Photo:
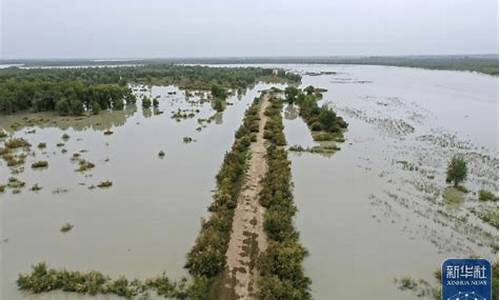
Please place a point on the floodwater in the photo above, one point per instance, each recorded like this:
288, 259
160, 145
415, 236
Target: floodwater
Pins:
368, 214
364, 215
144, 224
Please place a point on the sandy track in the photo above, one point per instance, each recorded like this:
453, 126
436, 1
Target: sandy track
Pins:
248, 238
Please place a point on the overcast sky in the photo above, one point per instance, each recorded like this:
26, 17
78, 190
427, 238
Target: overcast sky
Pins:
214, 28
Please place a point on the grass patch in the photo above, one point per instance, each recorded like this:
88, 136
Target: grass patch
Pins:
490, 216
485, 195
452, 195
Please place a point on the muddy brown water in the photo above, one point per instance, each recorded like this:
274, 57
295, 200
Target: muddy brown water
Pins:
365, 214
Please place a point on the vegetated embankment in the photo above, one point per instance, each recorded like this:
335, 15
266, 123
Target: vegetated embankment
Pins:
281, 271
323, 122
217, 254
247, 238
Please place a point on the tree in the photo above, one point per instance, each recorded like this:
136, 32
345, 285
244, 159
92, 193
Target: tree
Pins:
291, 93
218, 92
457, 170
146, 102
328, 119
218, 105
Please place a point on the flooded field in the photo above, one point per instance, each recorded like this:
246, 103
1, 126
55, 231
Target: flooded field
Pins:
141, 226
368, 214
374, 211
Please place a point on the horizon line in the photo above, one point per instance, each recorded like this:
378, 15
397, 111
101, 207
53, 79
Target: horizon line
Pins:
108, 59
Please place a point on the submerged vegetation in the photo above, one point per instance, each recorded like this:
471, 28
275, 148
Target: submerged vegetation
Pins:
67, 227
322, 149
15, 151
80, 90
42, 280
105, 184
15, 143
83, 165
281, 270
323, 122
40, 164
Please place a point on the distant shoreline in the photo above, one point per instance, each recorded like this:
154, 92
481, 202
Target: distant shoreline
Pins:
486, 64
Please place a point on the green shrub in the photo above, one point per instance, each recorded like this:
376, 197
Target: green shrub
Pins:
485, 195
146, 102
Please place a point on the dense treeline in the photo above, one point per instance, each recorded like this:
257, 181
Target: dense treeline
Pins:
65, 97
280, 266
487, 63
76, 90
207, 257
322, 121
219, 95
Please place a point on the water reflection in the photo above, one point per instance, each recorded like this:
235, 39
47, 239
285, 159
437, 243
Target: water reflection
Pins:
291, 112
45, 120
